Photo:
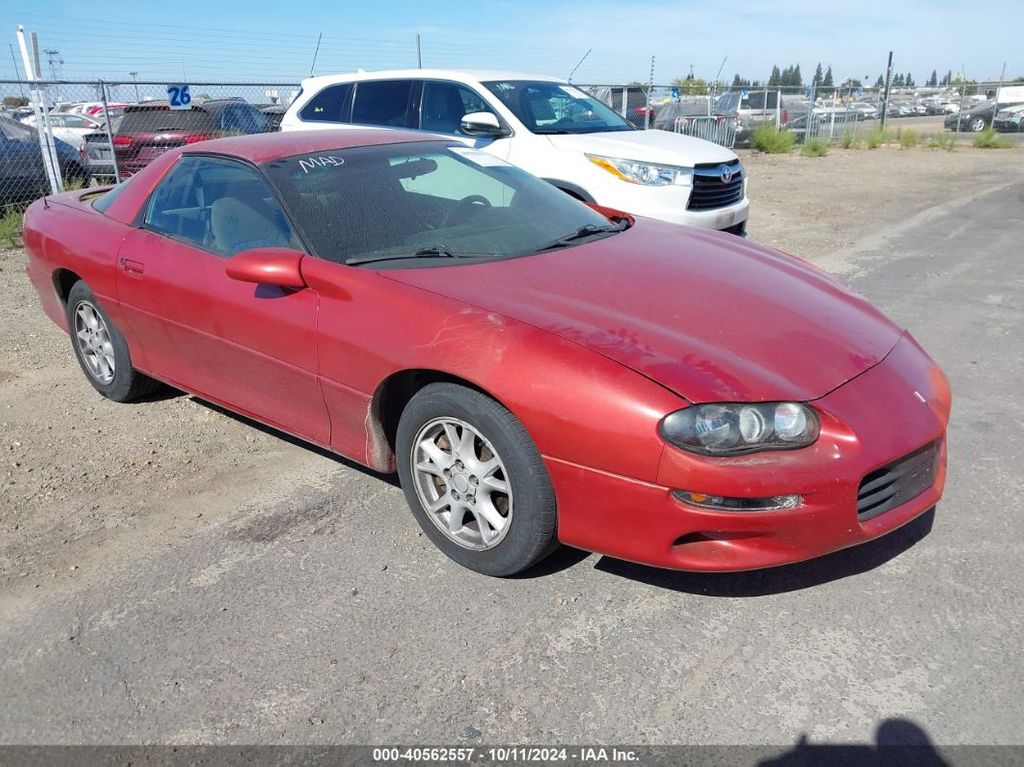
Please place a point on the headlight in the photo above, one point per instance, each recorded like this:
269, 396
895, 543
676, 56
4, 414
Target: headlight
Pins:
644, 173
733, 429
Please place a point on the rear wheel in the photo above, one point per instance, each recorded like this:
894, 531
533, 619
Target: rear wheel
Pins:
977, 125
475, 481
101, 349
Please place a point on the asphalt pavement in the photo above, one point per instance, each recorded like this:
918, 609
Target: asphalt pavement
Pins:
318, 613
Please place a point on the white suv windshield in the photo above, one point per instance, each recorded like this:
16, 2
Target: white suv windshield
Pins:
547, 108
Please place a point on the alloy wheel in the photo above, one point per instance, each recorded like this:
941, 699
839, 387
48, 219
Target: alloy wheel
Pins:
462, 483
93, 339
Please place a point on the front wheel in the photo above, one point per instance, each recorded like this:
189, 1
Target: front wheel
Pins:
977, 125
475, 481
101, 349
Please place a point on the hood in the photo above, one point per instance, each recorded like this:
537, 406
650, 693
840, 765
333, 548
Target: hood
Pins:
655, 146
705, 314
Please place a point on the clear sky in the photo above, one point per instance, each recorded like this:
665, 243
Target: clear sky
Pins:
275, 41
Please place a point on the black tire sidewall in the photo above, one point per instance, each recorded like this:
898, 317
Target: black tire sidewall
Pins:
531, 535
120, 388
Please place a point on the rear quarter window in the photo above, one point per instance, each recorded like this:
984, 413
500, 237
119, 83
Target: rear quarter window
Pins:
332, 104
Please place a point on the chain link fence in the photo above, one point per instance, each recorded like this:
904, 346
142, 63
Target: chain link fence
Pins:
66, 134
63, 134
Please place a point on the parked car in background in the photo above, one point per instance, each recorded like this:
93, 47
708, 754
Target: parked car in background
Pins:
99, 156
537, 370
752, 108
22, 173
549, 128
864, 110
69, 127
975, 119
274, 114
148, 130
1010, 119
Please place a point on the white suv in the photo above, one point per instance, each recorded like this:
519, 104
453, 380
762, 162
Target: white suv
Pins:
549, 128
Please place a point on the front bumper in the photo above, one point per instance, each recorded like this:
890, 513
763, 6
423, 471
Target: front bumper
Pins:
868, 423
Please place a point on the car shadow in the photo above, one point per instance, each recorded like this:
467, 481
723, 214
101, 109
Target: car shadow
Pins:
391, 479
898, 741
778, 580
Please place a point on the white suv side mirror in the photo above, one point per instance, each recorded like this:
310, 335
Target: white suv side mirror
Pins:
481, 124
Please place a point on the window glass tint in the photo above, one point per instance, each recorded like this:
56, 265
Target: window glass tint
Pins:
556, 107
444, 105
159, 119
329, 105
384, 102
242, 118
387, 202
219, 205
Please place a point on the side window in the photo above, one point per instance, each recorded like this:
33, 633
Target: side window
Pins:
756, 100
332, 104
383, 102
218, 205
444, 105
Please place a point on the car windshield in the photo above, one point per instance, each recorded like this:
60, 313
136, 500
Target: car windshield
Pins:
426, 204
545, 107
727, 103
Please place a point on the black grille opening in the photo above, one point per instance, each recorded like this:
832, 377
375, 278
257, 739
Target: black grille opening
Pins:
888, 487
710, 191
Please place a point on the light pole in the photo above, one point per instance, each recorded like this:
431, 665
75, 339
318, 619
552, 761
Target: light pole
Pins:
134, 74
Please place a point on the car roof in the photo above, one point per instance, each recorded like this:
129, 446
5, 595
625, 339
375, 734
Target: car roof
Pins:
461, 75
205, 104
260, 148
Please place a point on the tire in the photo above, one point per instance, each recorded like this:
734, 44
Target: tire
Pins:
522, 519
101, 349
977, 125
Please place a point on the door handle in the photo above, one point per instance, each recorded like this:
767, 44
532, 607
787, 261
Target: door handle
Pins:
132, 268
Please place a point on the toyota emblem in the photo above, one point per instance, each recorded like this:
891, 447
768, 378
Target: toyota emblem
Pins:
725, 172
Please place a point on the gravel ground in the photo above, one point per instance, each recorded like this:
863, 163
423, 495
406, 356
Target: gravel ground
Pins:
173, 573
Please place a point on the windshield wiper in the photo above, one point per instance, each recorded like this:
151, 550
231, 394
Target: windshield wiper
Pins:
587, 230
434, 251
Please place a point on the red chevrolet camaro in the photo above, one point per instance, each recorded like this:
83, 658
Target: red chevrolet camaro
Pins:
536, 369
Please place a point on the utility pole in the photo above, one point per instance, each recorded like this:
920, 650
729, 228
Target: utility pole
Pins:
136, 83
419, 53
885, 93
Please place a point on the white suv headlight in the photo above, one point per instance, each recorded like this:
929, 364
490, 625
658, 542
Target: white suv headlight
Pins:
644, 173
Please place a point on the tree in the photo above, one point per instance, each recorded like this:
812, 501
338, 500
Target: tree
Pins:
934, 79
816, 80
908, 81
776, 76
948, 79
741, 82
691, 85
797, 79
880, 82
827, 82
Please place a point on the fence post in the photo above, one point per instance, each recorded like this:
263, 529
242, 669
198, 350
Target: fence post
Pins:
832, 123
42, 124
110, 131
